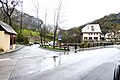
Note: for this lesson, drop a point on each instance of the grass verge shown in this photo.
(51, 48)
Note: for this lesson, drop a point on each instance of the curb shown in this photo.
(10, 51)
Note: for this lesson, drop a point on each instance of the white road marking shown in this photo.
(25, 57)
(31, 72)
(5, 59)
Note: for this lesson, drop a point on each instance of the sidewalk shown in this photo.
(13, 50)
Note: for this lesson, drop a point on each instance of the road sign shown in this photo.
(59, 37)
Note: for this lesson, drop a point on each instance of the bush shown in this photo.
(21, 39)
(84, 44)
(26, 41)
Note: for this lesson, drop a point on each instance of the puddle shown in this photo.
(32, 65)
(54, 61)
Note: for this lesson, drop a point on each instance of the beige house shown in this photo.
(7, 37)
(91, 32)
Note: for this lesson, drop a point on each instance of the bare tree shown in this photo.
(8, 7)
(39, 22)
(21, 3)
(40, 30)
(45, 25)
(57, 19)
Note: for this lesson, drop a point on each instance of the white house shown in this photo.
(91, 32)
(113, 36)
(110, 36)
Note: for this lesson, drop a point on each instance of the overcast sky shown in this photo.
(76, 12)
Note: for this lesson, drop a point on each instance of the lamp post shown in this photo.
(75, 42)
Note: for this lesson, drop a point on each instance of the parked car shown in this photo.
(51, 43)
(36, 43)
(117, 72)
(31, 43)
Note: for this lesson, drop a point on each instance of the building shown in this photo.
(91, 32)
(110, 36)
(7, 37)
(113, 36)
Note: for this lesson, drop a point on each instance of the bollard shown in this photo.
(75, 46)
(68, 48)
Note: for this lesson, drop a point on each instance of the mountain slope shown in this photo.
(109, 23)
(28, 21)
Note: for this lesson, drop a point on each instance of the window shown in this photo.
(85, 38)
(92, 28)
(88, 27)
(95, 38)
(90, 38)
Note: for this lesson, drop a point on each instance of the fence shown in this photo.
(88, 46)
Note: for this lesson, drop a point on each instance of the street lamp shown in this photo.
(75, 42)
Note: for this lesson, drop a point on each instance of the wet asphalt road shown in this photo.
(33, 63)
(26, 61)
(102, 72)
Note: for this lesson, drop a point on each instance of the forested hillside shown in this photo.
(109, 23)
(29, 26)
(28, 21)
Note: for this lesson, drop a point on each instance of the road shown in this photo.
(26, 61)
(33, 63)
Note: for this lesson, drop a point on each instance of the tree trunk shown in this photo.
(44, 35)
(10, 21)
(55, 31)
(40, 38)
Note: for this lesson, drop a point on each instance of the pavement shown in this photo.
(18, 47)
(34, 63)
